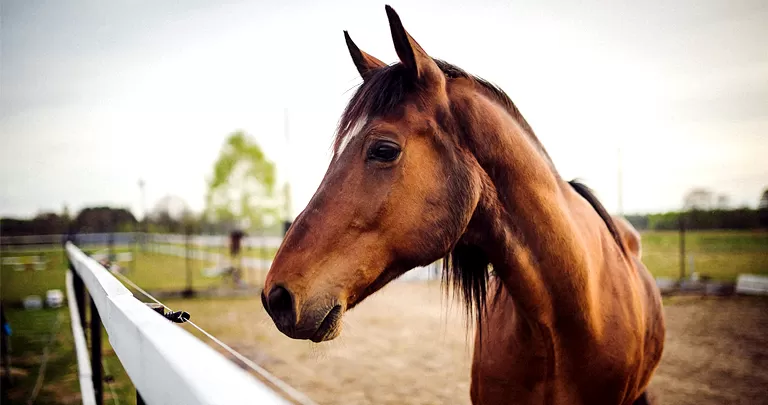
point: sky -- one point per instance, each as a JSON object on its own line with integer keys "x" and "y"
{"x": 97, "y": 95}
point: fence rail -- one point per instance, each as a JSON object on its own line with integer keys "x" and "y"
{"x": 167, "y": 364}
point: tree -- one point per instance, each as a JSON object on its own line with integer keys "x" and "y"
{"x": 762, "y": 209}
{"x": 103, "y": 219}
{"x": 241, "y": 191}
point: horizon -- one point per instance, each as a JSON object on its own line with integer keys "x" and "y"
{"x": 98, "y": 96}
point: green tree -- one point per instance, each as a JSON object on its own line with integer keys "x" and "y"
{"x": 241, "y": 191}
{"x": 103, "y": 219}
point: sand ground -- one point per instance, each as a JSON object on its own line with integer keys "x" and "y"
{"x": 408, "y": 344}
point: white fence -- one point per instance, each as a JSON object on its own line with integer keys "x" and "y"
{"x": 180, "y": 251}
{"x": 118, "y": 238}
{"x": 272, "y": 242}
{"x": 167, "y": 364}
{"x": 124, "y": 238}
{"x": 175, "y": 245}
{"x": 429, "y": 272}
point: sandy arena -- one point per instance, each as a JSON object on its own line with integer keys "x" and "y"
{"x": 404, "y": 345}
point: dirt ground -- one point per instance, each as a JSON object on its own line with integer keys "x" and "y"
{"x": 407, "y": 344}
{"x": 716, "y": 352}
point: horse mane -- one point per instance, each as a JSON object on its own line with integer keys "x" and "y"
{"x": 588, "y": 195}
{"x": 466, "y": 267}
{"x": 387, "y": 87}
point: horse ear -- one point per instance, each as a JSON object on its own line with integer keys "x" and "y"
{"x": 364, "y": 63}
{"x": 411, "y": 54}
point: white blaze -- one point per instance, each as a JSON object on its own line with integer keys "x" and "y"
{"x": 353, "y": 132}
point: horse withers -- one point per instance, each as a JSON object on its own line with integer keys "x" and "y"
{"x": 431, "y": 162}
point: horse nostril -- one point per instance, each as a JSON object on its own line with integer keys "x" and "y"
{"x": 264, "y": 301}
{"x": 280, "y": 306}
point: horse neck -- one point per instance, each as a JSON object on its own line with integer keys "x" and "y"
{"x": 525, "y": 221}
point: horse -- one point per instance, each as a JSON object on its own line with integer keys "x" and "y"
{"x": 630, "y": 235}
{"x": 432, "y": 162}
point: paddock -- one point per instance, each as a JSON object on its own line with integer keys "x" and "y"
{"x": 406, "y": 345}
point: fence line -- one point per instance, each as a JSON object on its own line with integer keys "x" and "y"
{"x": 176, "y": 245}
{"x": 298, "y": 396}
{"x": 431, "y": 271}
{"x": 181, "y": 251}
{"x": 123, "y": 238}
{"x": 272, "y": 242}
{"x": 167, "y": 364}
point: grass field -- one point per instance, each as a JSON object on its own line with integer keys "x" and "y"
{"x": 15, "y": 284}
{"x": 32, "y": 332}
{"x": 155, "y": 271}
{"x": 720, "y": 255}
{"x": 149, "y": 270}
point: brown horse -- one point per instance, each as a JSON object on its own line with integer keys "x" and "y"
{"x": 630, "y": 235}
{"x": 431, "y": 162}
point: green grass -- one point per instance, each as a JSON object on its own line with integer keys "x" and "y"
{"x": 156, "y": 271}
{"x": 15, "y": 285}
{"x": 721, "y": 255}
{"x": 150, "y": 271}
{"x": 32, "y": 331}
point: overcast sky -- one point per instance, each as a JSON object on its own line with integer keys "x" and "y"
{"x": 95, "y": 95}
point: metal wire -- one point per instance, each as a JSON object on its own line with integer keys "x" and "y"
{"x": 289, "y": 391}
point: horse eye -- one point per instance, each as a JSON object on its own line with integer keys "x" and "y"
{"x": 384, "y": 151}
